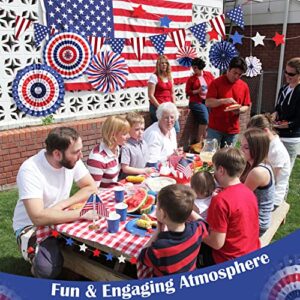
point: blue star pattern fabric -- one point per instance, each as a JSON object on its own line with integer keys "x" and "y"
{"x": 165, "y": 21}
{"x": 237, "y": 16}
{"x": 237, "y": 38}
{"x": 199, "y": 32}
{"x": 158, "y": 42}
{"x": 116, "y": 45}
{"x": 40, "y": 32}
{"x": 86, "y": 17}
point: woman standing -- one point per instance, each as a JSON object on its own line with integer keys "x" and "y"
{"x": 258, "y": 175}
{"x": 103, "y": 161}
{"x": 287, "y": 110}
{"x": 160, "y": 87}
{"x": 196, "y": 88}
{"x": 277, "y": 156}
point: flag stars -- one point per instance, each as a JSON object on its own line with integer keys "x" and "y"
{"x": 57, "y": 9}
{"x": 50, "y": 2}
{"x": 107, "y": 8}
{"x": 92, "y": 12}
{"x": 74, "y": 5}
{"x": 63, "y": 4}
{"x": 97, "y": 7}
{"x": 102, "y": 2}
{"x": 86, "y": 6}
{"x": 81, "y": 12}
{"x": 69, "y": 10}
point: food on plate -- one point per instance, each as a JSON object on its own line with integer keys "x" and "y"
{"x": 94, "y": 227}
{"x": 137, "y": 200}
{"x": 157, "y": 183}
{"x": 135, "y": 179}
{"x": 233, "y": 107}
{"x": 145, "y": 222}
{"x": 147, "y": 207}
{"x": 77, "y": 205}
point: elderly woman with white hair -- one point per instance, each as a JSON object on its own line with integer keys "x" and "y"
{"x": 161, "y": 136}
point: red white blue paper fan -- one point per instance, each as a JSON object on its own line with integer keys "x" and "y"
{"x": 38, "y": 90}
{"x": 107, "y": 72}
{"x": 254, "y": 66}
{"x": 185, "y": 56}
{"x": 284, "y": 282}
{"x": 221, "y": 53}
{"x": 68, "y": 53}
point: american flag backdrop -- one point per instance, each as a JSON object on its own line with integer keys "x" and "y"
{"x": 125, "y": 19}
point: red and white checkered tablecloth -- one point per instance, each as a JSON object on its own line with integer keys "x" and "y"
{"x": 122, "y": 241}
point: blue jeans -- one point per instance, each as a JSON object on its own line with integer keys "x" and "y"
{"x": 152, "y": 110}
{"x": 200, "y": 112}
{"x": 222, "y": 138}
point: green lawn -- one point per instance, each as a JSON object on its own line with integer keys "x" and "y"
{"x": 12, "y": 262}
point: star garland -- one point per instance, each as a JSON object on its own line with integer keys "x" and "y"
{"x": 84, "y": 248}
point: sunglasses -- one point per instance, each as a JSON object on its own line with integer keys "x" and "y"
{"x": 290, "y": 74}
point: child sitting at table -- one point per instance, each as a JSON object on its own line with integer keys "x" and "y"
{"x": 134, "y": 153}
{"x": 233, "y": 213}
{"x": 174, "y": 207}
{"x": 203, "y": 184}
{"x": 103, "y": 161}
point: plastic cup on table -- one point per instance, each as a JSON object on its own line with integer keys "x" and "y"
{"x": 121, "y": 209}
{"x": 113, "y": 222}
{"x": 119, "y": 194}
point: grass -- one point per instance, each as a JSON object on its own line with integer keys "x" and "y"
{"x": 11, "y": 260}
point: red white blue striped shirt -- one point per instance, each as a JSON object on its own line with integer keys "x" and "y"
{"x": 104, "y": 165}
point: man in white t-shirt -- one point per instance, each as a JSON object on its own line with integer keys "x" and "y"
{"x": 44, "y": 182}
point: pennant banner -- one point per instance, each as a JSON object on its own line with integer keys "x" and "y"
{"x": 199, "y": 32}
{"x": 218, "y": 25}
{"x": 96, "y": 43}
{"x": 40, "y": 32}
{"x": 21, "y": 26}
{"x": 178, "y": 37}
{"x": 236, "y": 15}
{"x": 159, "y": 42}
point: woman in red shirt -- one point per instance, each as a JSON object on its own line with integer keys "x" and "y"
{"x": 196, "y": 89}
{"x": 160, "y": 87}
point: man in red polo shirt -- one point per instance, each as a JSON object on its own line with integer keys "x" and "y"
{"x": 223, "y": 92}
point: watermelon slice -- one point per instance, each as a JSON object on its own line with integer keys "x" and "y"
{"x": 146, "y": 208}
{"x": 137, "y": 200}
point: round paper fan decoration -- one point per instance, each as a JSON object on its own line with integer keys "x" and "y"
{"x": 254, "y": 66}
{"x": 38, "y": 90}
{"x": 221, "y": 53}
{"x": 68, "y": 53}
{"x": 107, "y": 72}
{"x": 284, "y": 283}
{"x": 185, "y": 56}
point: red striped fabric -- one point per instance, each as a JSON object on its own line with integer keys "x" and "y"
{"x": 129, "y": 27}
{"x": 21, "y": 25}
{"x": 218, "y": 25}
{"x": 96, "y": 43}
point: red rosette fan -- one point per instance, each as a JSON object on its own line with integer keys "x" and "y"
{"x": 68, "y": 53}
{"x": 107, "y": 72}
{"x": 185, "y": 56}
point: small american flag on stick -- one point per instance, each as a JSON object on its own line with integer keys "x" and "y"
{"x": 95, "y": 203}
{"x": 184, "y": 167}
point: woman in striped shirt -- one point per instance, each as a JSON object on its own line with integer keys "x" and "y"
{"x": 103, "y": 161}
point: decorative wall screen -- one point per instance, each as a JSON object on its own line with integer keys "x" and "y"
{"x": 17, "y": 54}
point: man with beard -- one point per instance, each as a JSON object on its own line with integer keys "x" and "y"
{"x": 44, "y": 182}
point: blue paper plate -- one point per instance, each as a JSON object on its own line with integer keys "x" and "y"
{"x": 134, "y": 229}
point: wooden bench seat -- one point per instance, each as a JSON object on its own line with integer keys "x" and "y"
{"x": 278, "y": 218}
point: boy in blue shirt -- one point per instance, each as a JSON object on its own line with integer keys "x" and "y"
{"x": 134, "y": 153}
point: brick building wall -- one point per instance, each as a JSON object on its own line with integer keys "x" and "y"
{"x": 269, "y": 57}
{"x": 17, "y": 145}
